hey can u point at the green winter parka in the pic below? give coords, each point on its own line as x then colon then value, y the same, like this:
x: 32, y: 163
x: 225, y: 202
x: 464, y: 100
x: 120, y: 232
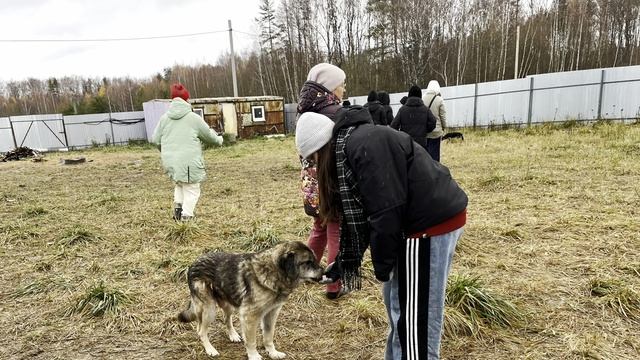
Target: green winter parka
x: 180, y: 134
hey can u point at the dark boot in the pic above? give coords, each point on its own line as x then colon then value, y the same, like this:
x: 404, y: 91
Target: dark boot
x: 177, y: 212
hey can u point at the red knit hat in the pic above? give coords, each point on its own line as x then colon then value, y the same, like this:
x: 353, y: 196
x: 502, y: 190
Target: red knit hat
x: 178, y: 90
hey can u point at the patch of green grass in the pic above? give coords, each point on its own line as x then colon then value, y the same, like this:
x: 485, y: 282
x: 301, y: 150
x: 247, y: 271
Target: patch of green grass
x: 36, y: 211
x: 493, y: 182
x: 290, y: 168
x: 183, y: 231
x: 76, y: 235
x: 364, y: 309
x: 180, y: 274
x: 260, y: 238
x: 631, y: 268
x: 107, y: 199
x: 616, y: 295
x: 474, y: 308
x: 97, y: 301
x: 37, y: 287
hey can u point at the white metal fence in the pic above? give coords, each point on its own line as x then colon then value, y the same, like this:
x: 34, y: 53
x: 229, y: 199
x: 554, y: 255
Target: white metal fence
x: 55, y: 131
x: 612, y: 93
x: 6, y: 135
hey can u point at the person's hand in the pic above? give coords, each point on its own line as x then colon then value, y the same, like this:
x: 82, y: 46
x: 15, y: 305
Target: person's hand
x: 332, y: 273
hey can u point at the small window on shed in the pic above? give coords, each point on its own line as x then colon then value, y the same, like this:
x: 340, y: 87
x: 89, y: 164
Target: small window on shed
x: 257, y: 113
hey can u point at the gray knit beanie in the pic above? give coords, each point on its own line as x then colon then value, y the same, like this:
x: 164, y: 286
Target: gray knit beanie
x: 313, y: 131
x: 329, y: 76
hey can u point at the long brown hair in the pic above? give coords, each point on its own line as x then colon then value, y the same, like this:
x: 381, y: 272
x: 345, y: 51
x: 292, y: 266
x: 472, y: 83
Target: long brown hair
x: 330, y: 206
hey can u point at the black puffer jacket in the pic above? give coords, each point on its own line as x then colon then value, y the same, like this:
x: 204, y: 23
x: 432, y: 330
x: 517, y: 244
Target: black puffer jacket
x: 377, y: 112
x: 318, y: 99
x: 403, y: 189
x: 415, y: 119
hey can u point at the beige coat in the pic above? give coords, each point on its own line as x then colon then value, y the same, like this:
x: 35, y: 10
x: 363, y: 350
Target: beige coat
x: 438, y: 109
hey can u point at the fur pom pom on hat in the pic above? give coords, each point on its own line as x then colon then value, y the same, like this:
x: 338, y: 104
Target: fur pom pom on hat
x: 178, y: 90
x: 327, y: 75
x: 313, y: 131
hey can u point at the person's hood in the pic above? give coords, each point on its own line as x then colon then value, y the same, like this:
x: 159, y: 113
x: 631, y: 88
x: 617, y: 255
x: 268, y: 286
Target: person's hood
x: 178, y: 109
x: 374, y: 105
x: 414, y: 101
x: 433, y: 87
x: 354, y: 116
x: 315, y: 97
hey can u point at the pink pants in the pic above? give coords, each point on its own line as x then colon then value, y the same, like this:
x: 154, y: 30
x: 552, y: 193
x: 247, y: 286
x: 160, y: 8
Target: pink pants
x: 325, y: 236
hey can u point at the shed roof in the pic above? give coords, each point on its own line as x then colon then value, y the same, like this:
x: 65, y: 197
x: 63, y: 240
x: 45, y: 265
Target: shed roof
x: 234, y: 99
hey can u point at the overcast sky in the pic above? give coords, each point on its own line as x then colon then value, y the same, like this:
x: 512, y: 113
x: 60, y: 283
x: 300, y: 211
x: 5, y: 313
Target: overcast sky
x: 99, y: 19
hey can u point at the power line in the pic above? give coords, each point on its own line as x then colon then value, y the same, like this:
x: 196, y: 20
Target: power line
x: 113, y: 39
x: 246, y: 33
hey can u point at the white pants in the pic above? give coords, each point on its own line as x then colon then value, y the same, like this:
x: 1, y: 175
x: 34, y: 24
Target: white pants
x: 187, y: 195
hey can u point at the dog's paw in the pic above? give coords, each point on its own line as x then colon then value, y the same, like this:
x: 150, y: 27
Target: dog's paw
x: 212, y: 352
x: 255, y: 356
x: 275, y: 354
x: 235, y: 337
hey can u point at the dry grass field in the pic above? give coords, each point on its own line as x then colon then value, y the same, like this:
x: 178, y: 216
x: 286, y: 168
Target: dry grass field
x: 548, y: 267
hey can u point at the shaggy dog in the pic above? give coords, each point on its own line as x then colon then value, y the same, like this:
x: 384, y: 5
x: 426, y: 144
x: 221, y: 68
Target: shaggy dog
x: 453, y: 135
x: 256, y: 284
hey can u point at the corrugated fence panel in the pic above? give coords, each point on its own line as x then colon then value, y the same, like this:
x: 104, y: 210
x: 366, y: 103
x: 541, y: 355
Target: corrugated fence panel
x: 458, y: 102
x: 6, y: 137
x: 503, y: 102
x: 40, y: 132
x: 290, y: 112
x: 128, y: 126
x: 88, y: 130
x: 566, y: 96
x: 621, y: 93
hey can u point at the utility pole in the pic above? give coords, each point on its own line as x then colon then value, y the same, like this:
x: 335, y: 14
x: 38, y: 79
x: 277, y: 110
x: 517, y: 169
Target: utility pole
x: 515, y: 68
x: 233, y: 62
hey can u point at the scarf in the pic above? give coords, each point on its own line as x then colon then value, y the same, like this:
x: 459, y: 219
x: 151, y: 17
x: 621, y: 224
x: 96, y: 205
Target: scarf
x: 354, y: 229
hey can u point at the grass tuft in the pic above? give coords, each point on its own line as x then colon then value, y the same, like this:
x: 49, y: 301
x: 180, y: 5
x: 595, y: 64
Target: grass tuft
x: 180, y: 232
x: 364, y: 309
x: 307, y: 298
x: 467, y: 297
x: 260, y: 238
x: 99, y: 300
x: 78, y: 235
x: 36, y: 287
x: 36, y: 211
x: 616, y: 295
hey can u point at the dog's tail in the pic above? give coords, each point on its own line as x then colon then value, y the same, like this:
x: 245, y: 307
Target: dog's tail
x: 187, y: 315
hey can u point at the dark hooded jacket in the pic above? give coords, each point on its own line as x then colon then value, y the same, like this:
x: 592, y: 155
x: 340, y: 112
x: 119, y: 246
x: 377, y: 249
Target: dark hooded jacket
x: 415, y: 119
x: 385, y: 100
x: 377, y: 112
x: 318, y: 99
x: 403, y: 190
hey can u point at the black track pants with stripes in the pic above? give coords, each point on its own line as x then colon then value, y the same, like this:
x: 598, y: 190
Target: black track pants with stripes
x: 414, y: 297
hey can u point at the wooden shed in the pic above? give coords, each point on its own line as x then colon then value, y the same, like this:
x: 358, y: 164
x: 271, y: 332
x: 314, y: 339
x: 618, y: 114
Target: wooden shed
x: 243, y: 117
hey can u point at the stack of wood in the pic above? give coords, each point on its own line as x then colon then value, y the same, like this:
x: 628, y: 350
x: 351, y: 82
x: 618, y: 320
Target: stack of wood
x: 22, y: 152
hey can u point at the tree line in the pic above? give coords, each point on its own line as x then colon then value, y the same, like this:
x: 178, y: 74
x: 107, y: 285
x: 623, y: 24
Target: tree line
x: 381, y: 44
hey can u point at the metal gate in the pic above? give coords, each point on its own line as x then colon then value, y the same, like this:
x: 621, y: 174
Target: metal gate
x: 42, y: 132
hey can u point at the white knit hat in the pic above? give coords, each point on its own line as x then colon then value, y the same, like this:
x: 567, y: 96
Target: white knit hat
x: 329, y: 76
x: 313, y: 131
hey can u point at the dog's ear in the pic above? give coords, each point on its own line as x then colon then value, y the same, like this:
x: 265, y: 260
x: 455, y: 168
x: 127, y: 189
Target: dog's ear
x: 287, y: 264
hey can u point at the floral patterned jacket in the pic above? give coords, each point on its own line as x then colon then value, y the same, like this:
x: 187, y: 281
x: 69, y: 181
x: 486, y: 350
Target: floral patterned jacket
x: 309, y: 187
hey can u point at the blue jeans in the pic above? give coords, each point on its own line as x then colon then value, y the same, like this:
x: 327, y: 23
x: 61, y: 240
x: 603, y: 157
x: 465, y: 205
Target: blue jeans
x: 414, y: 297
